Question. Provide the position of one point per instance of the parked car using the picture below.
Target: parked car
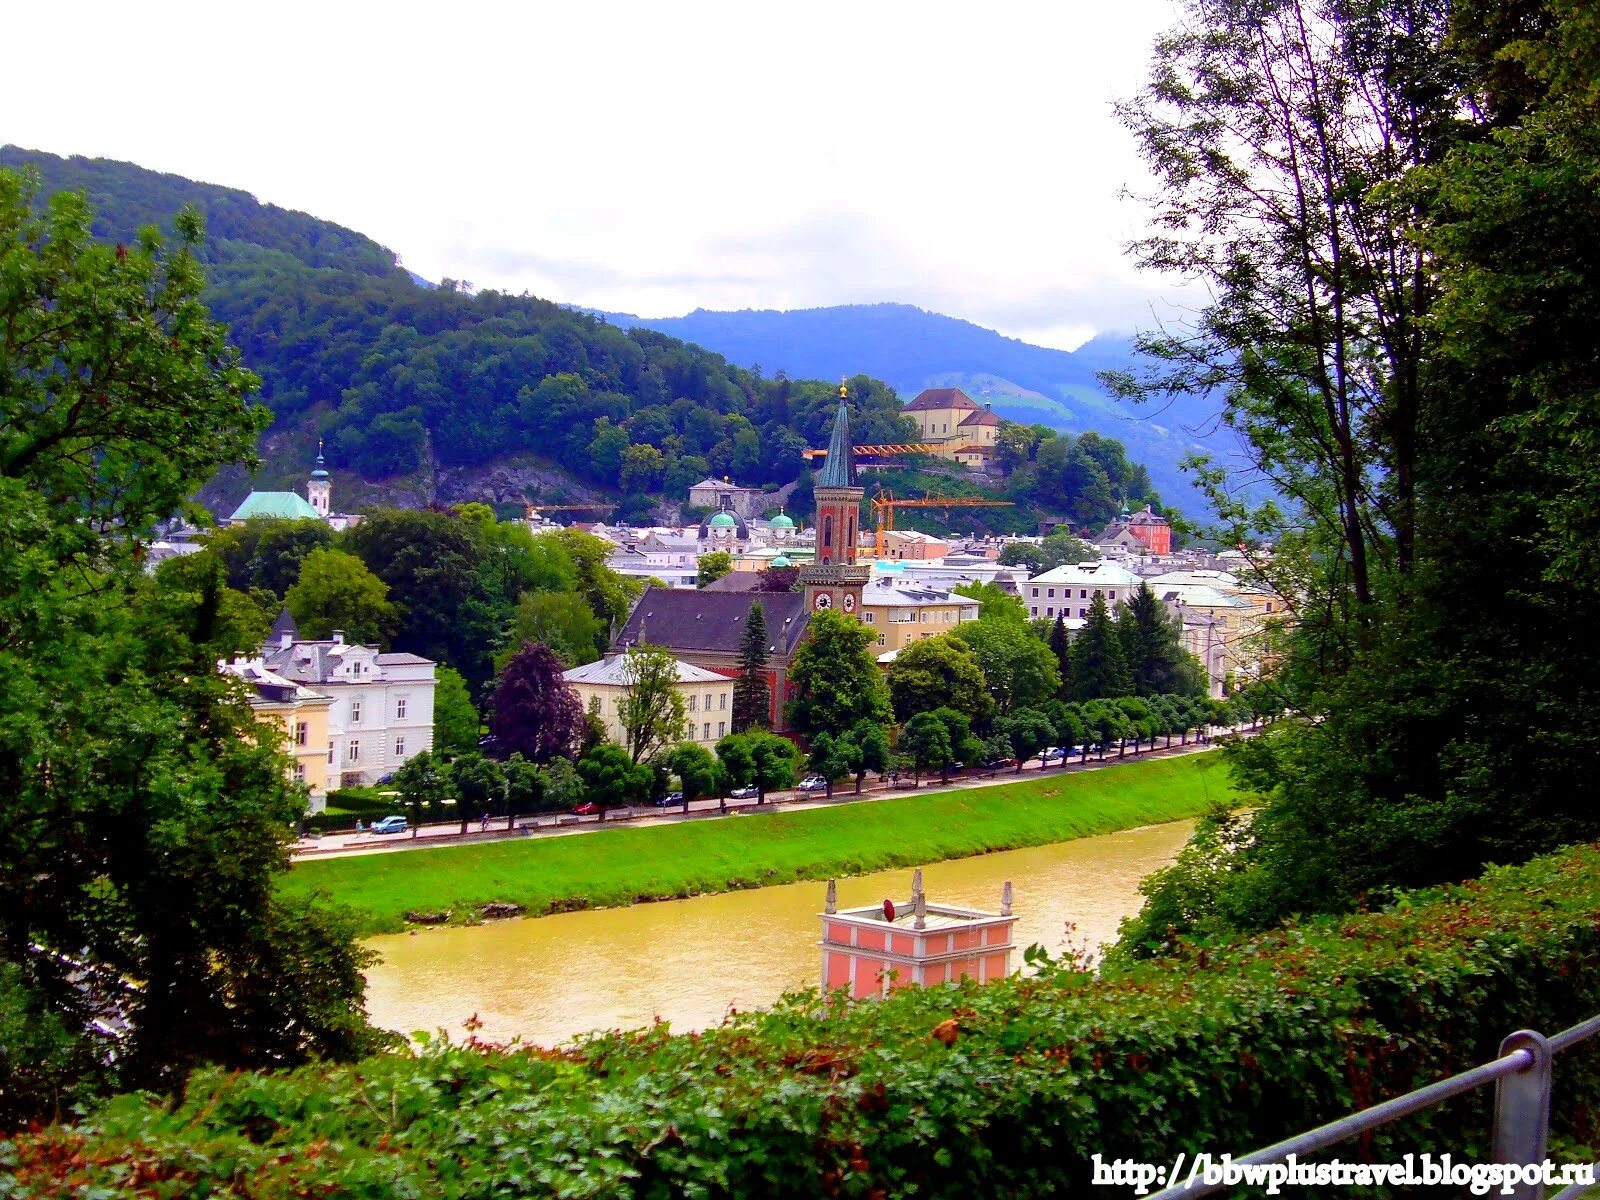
(390, 825)
(745, 793)
(1053, 754)
(813, 783)
(669, 799)
(997, 764)
(587, 808)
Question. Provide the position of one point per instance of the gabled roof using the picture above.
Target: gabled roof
(983, 416)
(937, 398)
(612, 671)
(683, 621)
(290, 506)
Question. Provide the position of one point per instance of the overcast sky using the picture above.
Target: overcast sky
(647, 158)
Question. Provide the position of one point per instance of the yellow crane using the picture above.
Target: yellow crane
(884, 504)
(889, 451)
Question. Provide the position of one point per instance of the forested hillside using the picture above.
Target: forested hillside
(401, 379)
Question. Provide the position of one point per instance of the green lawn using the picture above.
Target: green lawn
(628, 864)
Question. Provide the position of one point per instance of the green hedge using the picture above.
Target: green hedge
(1004, 1090)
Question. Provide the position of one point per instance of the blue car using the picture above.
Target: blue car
(390, 825)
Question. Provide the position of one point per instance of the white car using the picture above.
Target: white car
(813, 783)
(745, 793)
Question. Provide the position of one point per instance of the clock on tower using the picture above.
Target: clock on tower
(834, 572)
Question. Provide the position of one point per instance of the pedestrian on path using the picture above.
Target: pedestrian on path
(483, 824)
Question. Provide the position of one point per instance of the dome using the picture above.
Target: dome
(782, 522)
(723, 521)
(319, 473)
(781, 561)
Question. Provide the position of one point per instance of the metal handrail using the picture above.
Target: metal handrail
(1521, 1112)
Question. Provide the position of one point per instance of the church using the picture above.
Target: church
(315, 505)
(704, 628)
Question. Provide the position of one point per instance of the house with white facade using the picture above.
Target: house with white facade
(382, 710)
(1069, 591)
(707, 698)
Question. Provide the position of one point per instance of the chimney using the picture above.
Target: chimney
(338, 637)
(285, 640)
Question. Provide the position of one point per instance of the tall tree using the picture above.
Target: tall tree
(696, 769)
(926, 740)
(1061, 646)
(833, 758)
(455, 717)
(336, 591)
(147, 813)
(752, 697)
(1098, 669)
(652, 707)
(871, 741)
(561, 620)
(1150, 645)
(837, 680)
(1018, 668)
(533, 711)
(938, 671)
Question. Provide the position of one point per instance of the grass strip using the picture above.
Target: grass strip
(622, 866)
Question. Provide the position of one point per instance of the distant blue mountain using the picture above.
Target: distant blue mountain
(912, 349)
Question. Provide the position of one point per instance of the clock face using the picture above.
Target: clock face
(823, 600)
(849, 602)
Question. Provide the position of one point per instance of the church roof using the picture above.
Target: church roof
(708, 621)
(940, 398)
(840, 469)
(287, 506)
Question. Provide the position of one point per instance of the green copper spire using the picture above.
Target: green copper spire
(840, 469)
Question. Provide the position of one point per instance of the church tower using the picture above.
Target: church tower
(319, 489)
(833, 580)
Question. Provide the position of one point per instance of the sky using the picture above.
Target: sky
(649, 158)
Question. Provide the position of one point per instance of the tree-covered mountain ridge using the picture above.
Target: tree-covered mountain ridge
(437, 393)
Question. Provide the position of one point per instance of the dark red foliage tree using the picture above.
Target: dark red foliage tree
(532, 710)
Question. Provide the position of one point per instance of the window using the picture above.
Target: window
(873, 620)
(1051, 593)
(722, 701)
(399, 747)
(722, 728)
(1035, 593)
(299, 772)
(1049, 612)
(708, 701)
(881, 640)
(1083, 612)
(694, 702)
(330, 754)
(355, 712)
(301, 731)
(705, 736)
(1112, 595)
(1083, 593)
(400, 709)
(353, 752)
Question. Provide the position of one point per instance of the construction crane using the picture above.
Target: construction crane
(884, 504)
(890, 451)
(534, 512)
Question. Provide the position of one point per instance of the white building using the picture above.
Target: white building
(1069, 591)
(382, 711)
(707, 698)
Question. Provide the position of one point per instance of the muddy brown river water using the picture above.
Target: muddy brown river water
(547, 979)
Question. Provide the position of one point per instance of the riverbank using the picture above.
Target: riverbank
(625, 866)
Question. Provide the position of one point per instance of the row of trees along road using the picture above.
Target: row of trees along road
(1393, 209)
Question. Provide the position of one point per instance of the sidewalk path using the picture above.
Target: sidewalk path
(434, 836)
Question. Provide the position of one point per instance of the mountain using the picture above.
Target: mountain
(911, 349)
(425, 393)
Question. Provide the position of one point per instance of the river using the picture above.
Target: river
(547, 979)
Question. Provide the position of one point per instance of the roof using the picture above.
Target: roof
(613, 671)
(712, 621)
(983, 416)
(782, 521)
(840, 469)
(720, 485)
(937, 398)
(402, 659)
(283, 625)
(290, 506)
(900, 593)
(1102, 573)
(1221, 580)
(724, 520)
(269, 686)
(1199, 596)
(782, 561)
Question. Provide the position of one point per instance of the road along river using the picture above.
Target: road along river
(546, 979)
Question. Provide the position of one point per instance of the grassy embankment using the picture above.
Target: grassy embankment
(663, 862)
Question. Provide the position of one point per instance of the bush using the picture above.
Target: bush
(960, 1091)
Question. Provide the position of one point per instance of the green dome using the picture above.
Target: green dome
(723, 521)
(782, 561)
(782, 522)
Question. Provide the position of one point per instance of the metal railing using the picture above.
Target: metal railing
(1522, 1077)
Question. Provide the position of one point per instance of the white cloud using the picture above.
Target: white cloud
(645, 157)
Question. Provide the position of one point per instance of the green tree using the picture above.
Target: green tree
(266, 553)
(1018, 669)
(479, 785)
(563, 787)
(612, 779)
(871, 742)
(712, 567)
(1098, 669)
(455, 718)
(147, 813)
(833, 758)
(651, 710)
(994, 602)
(525, 788)
(938, 671)
(561, 620)
(1151, 648)
(926, 740)
(1029, 731)
(423, 782)
(1023, 554)
(775, 761)
(696, 769)
(836, 679)
(752, 697)
(1061, 646)
(736, 759)
(336, 591)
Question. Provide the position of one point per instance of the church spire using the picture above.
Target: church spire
(840, 469)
